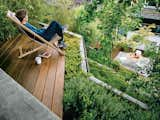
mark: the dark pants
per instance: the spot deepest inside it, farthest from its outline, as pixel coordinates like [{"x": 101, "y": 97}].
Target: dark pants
[{"x": 52, "y": 29}]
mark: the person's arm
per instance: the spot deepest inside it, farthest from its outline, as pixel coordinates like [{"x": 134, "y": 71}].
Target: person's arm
[
  {"x": 31, "y": 27},
  {"x": 34, "y": 29}
]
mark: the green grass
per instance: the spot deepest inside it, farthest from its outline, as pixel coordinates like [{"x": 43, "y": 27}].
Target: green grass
[
  {"x": 108, "y": 76},
  {"x": 123, "y": 80}
]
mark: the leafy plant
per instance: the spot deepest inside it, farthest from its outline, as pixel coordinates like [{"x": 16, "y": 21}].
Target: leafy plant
[
  {"x": 84, "y": 99},
  {"x": 7, "y": 30}
]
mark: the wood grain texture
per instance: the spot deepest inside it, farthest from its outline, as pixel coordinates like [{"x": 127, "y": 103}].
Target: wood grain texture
[
  {"x": 57, "y": 106},
  {"x": 45, "y": 81},
  {"x": 49, "y": 86},
  {"x": 41, "y": 80}
]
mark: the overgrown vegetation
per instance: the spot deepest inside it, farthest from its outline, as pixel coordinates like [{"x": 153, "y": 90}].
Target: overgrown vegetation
[
  {"x": 126, "y": 81},
  {"x": 109, "y": 18},
  {"x": 85, "y": 100},
  {"x": 138, "y": 38}
]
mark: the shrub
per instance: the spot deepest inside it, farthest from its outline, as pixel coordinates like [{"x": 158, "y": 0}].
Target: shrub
[
  {"x": 115, "y": 65},
  {"x": 7, "y": 30},
  {"x": 64, "y": 12}
]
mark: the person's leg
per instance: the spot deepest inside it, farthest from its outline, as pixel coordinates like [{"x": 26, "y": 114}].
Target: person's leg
[
  {"x": 158, "y": 29},
  {"x": 52, "y": 29},
  {"x": 59, "y": 31}
]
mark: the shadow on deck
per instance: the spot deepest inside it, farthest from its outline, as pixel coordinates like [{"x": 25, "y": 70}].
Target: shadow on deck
[{"x": 45, "y": 81}]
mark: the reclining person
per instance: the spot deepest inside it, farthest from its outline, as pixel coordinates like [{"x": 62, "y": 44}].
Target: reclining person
[
  {"x": 137, "y": 54},
  {"x": 47, "y": 33}
]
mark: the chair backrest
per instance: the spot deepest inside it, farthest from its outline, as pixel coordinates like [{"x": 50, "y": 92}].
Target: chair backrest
[{"x": 11, "y": 15}]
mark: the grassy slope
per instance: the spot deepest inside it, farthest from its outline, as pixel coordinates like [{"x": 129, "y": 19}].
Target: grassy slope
[{"x": 122, "y": 79}]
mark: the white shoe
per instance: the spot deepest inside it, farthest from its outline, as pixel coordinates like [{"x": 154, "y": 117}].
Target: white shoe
[{"x": 64, "y": 28}]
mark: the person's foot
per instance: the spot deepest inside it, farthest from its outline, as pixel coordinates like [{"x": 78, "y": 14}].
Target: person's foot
[{"x": 62, "y": 45}]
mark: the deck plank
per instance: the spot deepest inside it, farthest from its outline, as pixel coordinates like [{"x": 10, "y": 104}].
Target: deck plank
[
  {"x": 49, "y": 86},
  {"x": 21, "y": 68},
  {"x": 41, "y": 80},
  {"x": 57, "y": 106},
  {"x": 32, "y": 72}
]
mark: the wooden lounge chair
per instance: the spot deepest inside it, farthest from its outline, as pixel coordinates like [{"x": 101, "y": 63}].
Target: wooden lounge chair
[{"x": 44, "y": 44}]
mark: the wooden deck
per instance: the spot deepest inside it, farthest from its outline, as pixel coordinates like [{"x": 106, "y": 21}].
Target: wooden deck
[{"x": 45, "y": 81}]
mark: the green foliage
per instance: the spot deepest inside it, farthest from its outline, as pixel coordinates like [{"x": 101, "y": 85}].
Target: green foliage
[
  {"x": 84, "y": 99},
  {"x": 108, "y": 17},
  {"x": 154, "y": 83},
  {"x": 35, "y": 8},
  {"x": 72, "y": 57},
  {"x": 128, "y": 82},
  {"x": 64, "y": 12},
  {"x": 115, "y": 65},
  {"x": 129, "y": 23},
  {"x": 137, "y": 39},
  {"x": 108, "y": 76},
  {"x": 7, "y": 30},
  {"x": 99, "y": 20}
]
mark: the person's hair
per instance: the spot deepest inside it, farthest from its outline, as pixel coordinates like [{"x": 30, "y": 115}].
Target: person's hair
[{"x": 21, "y": 14}]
